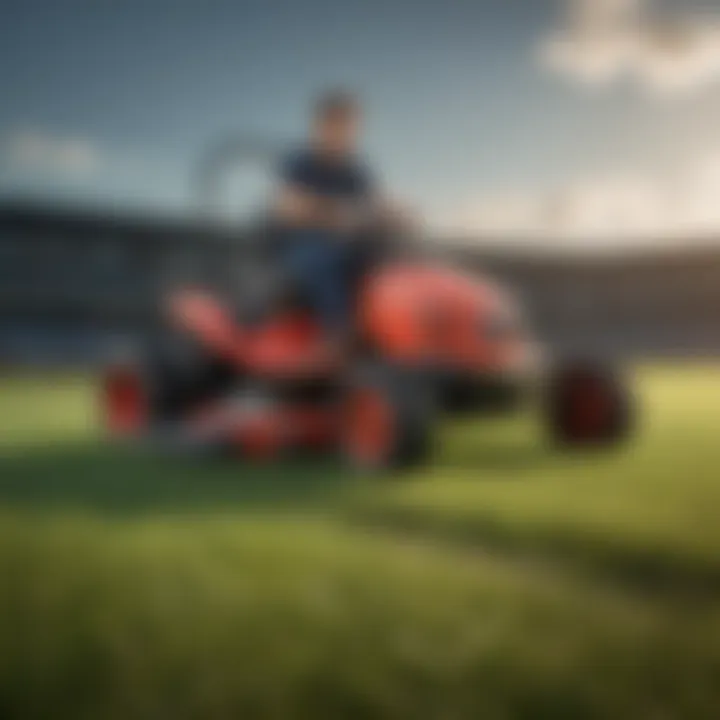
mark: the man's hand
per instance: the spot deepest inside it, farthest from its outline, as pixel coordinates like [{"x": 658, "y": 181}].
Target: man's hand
[
  {"x": 396, "y": 217},
  {"x": 300, "y": 208}
]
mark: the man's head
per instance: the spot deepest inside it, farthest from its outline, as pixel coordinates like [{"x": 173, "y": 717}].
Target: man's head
[{"x": 336, "y": 122}]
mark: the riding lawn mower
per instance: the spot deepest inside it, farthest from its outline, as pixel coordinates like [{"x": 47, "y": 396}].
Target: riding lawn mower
[{"x": 429, "y": 340}]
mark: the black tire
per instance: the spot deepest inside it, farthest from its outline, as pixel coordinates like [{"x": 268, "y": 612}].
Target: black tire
[
  {"x": 179, "y": 375},
  {"x": 407, "y": 399},
  {"x": 588, "y": 405}
]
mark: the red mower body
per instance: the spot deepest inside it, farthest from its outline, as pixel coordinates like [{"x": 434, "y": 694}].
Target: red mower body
[
  {"x": 411, "y": 314},
  {"x": 422, "y": 330},
  {"x": 422, "y": 314}
]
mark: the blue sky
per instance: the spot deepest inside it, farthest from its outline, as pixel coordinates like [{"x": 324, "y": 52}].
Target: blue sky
[{"x": 112, "y": 101}]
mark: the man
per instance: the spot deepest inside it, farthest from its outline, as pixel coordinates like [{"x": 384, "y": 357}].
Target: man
[{"x": 325, "y": 196}]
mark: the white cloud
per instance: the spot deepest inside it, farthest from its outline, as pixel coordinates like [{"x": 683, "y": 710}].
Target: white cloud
[
  {"x": 604, "y": 41},
  {"x": 39, "y": 153},
  {"x": 630, "y": 209}
]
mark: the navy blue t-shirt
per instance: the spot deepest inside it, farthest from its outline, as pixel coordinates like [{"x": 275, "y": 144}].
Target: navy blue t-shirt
[{"x": 342, "y": 179}]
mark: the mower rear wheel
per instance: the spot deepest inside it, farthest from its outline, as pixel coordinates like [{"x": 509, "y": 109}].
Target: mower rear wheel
[
  {"x": 387, "y": 419},
  {"x": 588, "y": 404}
]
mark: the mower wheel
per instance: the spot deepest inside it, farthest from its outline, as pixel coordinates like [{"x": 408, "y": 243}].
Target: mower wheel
[
  {"x": 588, "y": 405},
  {"x": 180, "y": 376},
  {"x": 387, "y": 419},
  {"x": 123, "y": 400}
]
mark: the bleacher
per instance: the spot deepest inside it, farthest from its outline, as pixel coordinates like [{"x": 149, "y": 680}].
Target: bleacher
[{"x": 73, "y": 282}]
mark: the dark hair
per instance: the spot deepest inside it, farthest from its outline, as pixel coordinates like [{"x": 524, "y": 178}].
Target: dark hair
[{"x": 336, "y": 103}]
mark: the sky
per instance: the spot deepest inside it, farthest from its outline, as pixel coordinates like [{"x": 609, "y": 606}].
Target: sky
[{"x": 577, "y": 121}]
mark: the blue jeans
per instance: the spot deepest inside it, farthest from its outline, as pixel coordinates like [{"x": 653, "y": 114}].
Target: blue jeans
[{"x": 321, "y": 266}]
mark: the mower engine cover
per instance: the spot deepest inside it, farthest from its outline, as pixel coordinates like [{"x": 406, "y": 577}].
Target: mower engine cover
[{"x": 418, "y": 313}]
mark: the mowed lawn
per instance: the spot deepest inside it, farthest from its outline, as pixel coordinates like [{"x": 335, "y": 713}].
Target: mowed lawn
[{"x": 505, "y": 581}]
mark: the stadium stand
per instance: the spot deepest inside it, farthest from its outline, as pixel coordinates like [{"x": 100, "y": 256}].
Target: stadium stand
[{"x": 75, "y": 282}]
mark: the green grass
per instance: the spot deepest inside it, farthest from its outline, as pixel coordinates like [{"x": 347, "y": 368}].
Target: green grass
[
  {"x": 505, "y": 581},
  {"x": 649, "y": 513}
]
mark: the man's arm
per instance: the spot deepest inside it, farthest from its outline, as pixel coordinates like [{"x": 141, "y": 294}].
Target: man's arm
[
  {"x": 301, "y": 208},
  {"x": 295, "y": 203},
  {"x": 298, "y": 205}
]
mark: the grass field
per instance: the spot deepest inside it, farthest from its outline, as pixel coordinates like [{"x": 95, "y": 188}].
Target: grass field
[{"x": 506, "y": 581}]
